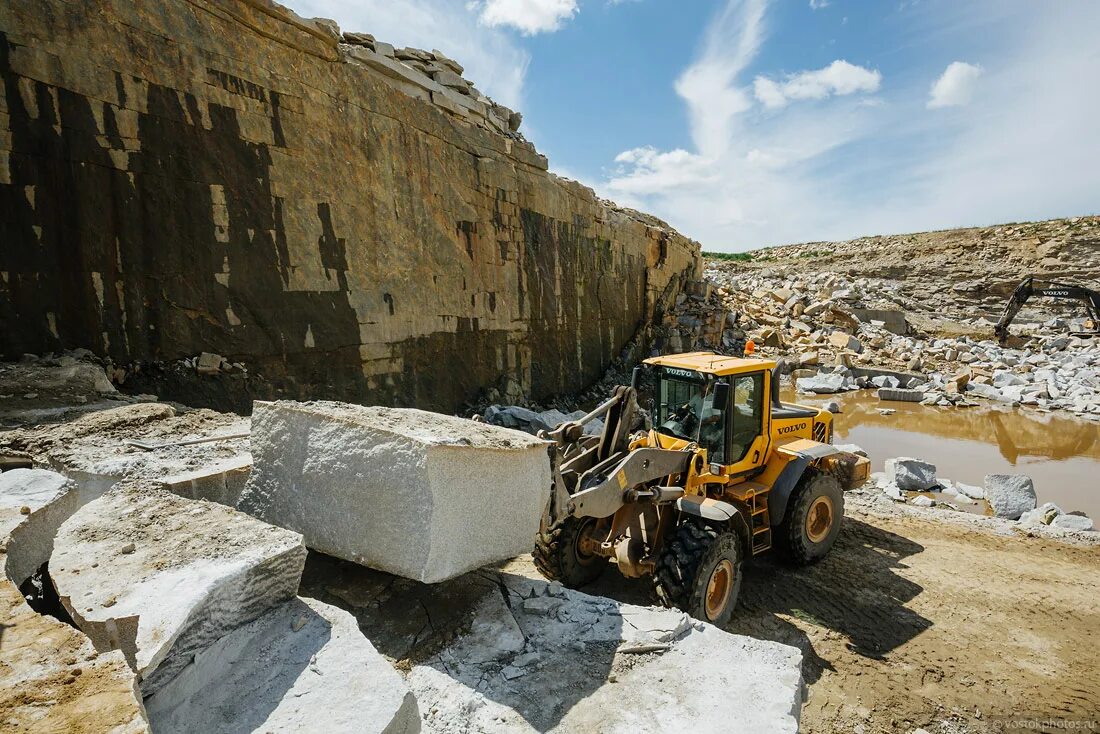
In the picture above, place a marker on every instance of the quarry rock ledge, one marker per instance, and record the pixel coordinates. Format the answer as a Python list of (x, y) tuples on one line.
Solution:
[(417, 494), (442, 233), (160, 577), (303, 666)]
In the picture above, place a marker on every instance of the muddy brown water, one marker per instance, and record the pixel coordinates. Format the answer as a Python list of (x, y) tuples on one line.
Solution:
[(1060, 453)]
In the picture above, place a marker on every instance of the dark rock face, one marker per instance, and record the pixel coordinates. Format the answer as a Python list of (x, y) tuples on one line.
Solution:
[(175, 179)]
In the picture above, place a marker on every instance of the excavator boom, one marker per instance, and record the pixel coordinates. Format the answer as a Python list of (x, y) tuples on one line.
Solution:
[(1033, 287)]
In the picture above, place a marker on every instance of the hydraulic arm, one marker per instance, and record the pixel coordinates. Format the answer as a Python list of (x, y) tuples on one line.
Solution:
[(1032, 287)]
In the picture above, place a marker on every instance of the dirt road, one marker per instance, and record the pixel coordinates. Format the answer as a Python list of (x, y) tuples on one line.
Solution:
[(914, 623)]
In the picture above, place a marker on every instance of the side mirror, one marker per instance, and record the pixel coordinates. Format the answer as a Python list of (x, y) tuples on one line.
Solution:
[(722, 394), (635, 376)]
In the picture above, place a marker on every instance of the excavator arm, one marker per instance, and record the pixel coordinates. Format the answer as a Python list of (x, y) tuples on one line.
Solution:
[(1032, 287)]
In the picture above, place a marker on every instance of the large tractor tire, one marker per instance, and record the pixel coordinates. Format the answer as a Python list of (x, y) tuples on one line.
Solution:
[(699, 571), (812, 522), (559, 556)]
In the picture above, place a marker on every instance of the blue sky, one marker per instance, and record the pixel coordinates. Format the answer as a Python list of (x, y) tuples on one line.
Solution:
[(755, 122)]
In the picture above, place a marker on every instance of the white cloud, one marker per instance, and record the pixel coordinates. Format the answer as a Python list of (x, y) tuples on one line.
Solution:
[(855, 165), (493, 60), (838, 78), (819, 4), (528, 16), (955, 86), (708, 85), (649, 171)]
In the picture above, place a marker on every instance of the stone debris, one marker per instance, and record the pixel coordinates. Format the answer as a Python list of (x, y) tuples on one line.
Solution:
[(1044, 514), (627, 651), (1010, 495), (911, 475), (417, 494), (301, 666), (160, 577), (1072, 522), (918, 303)]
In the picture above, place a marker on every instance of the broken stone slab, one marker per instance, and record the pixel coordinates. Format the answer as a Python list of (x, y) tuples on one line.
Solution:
[(298, 665), (417, 494), (209, 364), (1010, 495), (900, 395), (1080, 523), (359, 39), (33, 505), (626, 650), (1042, 515), (910, 475), (221, 482), (821, 384), (53, 680), (160, 577)]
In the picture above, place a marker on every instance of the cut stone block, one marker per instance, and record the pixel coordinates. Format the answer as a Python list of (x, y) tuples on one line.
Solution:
[(417, 494), (640, 672), (910, 475), (33, 504), (303, 666), (900, 395), (53, 680), (160, 577)]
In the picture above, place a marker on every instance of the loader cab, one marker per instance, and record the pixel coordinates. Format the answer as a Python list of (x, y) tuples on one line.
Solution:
[(722, 404)]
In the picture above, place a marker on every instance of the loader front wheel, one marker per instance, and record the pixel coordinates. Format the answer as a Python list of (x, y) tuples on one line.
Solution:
[(700, 572), (813, 519), (561, 553)]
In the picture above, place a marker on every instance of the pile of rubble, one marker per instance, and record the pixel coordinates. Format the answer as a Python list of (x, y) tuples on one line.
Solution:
[(848, 333), (1007, 496)]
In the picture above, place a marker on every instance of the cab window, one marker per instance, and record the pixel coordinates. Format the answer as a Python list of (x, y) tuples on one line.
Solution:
[(746, 414)]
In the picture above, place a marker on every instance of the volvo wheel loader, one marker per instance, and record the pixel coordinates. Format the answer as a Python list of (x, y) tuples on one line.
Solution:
[(724, 473)]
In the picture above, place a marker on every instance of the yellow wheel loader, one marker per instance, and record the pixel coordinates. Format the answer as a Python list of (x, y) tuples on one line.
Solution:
[(725, 473)]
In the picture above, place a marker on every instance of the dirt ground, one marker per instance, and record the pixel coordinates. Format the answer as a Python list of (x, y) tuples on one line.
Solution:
[(914, 623)]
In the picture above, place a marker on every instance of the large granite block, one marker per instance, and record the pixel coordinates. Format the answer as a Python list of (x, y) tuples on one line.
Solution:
[(417, 494)]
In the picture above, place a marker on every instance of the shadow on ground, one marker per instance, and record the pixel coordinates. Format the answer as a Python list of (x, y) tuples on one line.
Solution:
[(855, 591), (467, 636)]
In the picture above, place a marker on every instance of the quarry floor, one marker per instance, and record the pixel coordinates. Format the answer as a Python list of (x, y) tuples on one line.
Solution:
[(909, 623)]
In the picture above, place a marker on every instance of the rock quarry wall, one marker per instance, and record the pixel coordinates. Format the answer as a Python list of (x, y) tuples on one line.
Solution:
[(347, 220)]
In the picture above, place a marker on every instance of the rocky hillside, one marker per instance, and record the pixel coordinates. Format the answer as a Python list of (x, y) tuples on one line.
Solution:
[(326, 214), (947, 279), (925, 305)]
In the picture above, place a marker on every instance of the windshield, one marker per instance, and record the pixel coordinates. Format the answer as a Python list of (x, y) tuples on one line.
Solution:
[(679, 406)]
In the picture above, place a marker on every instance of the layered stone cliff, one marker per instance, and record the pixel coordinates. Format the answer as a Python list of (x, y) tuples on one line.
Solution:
[(224, 176)]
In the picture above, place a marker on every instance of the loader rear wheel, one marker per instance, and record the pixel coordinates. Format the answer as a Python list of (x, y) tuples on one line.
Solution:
[(813, 519), (560, 554), (700, 572)]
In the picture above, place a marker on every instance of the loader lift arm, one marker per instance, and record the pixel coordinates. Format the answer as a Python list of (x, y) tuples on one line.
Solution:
[(1032, 287)]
